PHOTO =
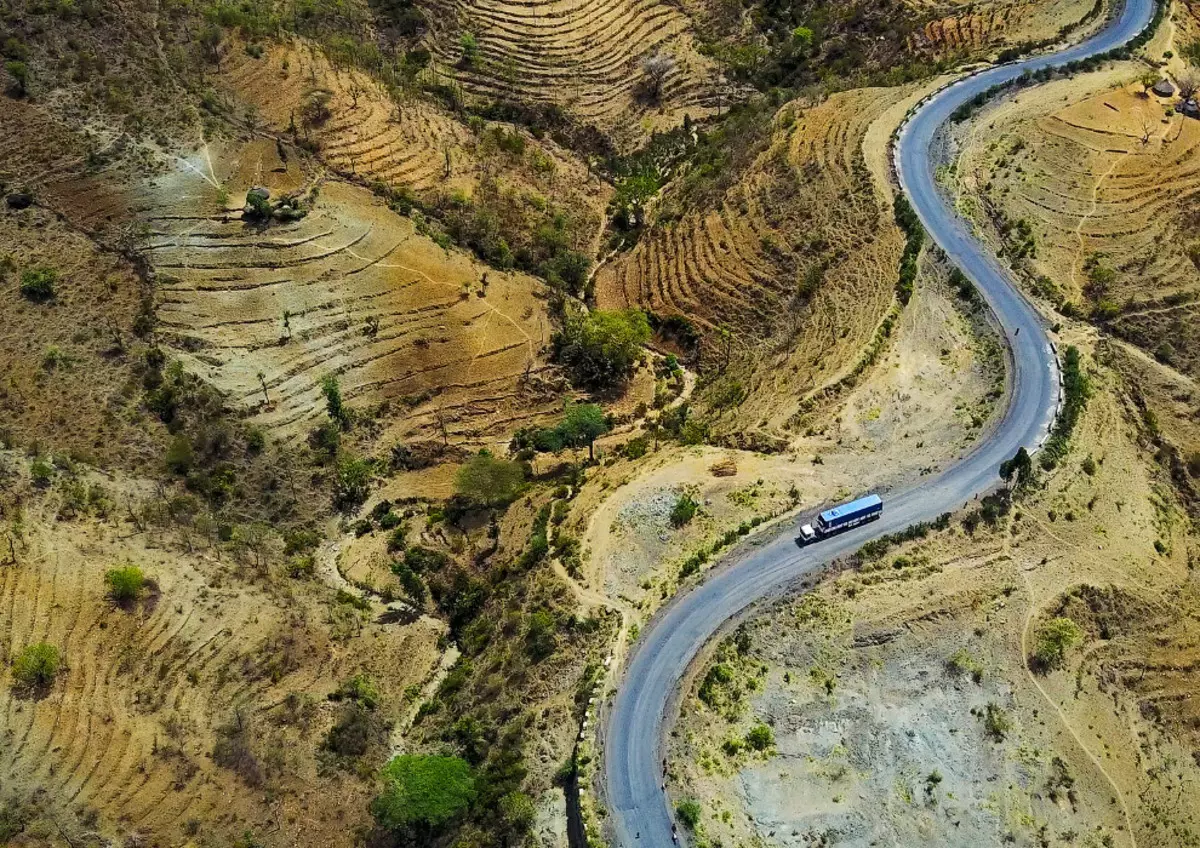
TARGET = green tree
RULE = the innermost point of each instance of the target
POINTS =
(1147, 79)
(488, 480)
(353, 481)
(125, 584)
(1052, 641)
(19, 72)
(601, 348)
(36, 666)
(333, 401)
(38, 283)
(760, 737)
(517, 813)
(540, 638)
(582, 424)
(423, 794)
(684, 509)
(470, 47)
(1019, 467)
(689, 813)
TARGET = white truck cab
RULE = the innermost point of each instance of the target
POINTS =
(807, 533)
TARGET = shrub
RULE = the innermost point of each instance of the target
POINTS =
(962, 662)
(996, 721)
(423, 560)
(397, 540)
(125, 584)
(760, 737)
(684, 509)
(36, 666)
(333, 401)
(689, 813)
(39, 283)
(1052, 641)
(540, 639)
(488, 481)
(360, 688)
(422, 794)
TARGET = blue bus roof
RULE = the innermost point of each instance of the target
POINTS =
(852, 508)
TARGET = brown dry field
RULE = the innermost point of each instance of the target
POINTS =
(582, 55)
(454, 347)
(125, 736)
(854, 761)
(411, 143)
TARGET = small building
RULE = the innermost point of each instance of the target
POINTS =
(1163, 88)
(1191, 109)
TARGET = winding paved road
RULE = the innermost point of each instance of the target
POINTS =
(633, 752)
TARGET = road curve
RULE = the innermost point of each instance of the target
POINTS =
(633, 754)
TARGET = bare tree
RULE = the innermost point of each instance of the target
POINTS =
(1188, 82)
(657, 68)
(1147, 123)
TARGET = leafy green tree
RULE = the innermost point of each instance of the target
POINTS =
(19, 72)
(684, 509)
(470, 47)
(540, 635)
(760, 737)
(488, 480)
(36, 666)
(125, 584)
(689, 813)
(423, 794)
(582, 424)
(601, 348)
(1019, 467)
(38, 283)
(353, 481)
(517, 814)
(1052, 641)
(333, 401)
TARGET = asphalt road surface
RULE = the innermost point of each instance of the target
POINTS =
(633, 750)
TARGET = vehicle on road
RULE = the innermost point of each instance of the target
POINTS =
(842, 518)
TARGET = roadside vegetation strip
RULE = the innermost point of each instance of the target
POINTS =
(1091, 63)
(1076, 391)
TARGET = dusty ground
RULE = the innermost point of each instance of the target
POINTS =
(972, 26)
(865, 704)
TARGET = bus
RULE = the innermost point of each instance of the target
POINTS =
(842, 518)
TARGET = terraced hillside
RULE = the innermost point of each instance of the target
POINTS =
(1105, 184)
(191, 717)
(351, 290)
(582, 55)
(798, 259)
(972, 27)
(360, 130)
